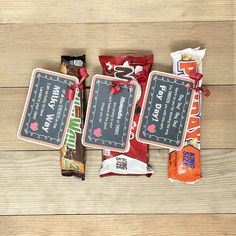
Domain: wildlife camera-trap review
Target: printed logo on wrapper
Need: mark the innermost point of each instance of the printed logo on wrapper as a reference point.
(184, 67)
(109, 115)
(74, 125)
(69, 164)
(127, 72)
(47, 111)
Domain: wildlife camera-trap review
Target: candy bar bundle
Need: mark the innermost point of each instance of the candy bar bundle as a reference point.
(129, 108)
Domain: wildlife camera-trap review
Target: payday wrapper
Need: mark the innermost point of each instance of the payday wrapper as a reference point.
(73, 152)
(184, 164)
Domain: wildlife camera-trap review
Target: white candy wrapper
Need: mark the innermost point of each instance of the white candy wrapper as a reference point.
(182, 60)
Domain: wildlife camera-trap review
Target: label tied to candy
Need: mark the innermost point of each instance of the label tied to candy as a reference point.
(109, 116)
(166, 110)
(47, 111)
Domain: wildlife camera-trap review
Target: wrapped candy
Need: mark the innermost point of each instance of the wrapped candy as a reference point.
(135, 161)
(184, 165)
(73, 152)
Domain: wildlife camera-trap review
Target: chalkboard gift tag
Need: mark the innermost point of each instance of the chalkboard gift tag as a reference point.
(47, 111)
(110, 113)
(166, 110)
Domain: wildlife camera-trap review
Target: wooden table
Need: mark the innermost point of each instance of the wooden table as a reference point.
(36, 200)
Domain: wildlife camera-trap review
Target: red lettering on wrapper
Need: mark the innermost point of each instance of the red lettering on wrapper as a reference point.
(184, 67)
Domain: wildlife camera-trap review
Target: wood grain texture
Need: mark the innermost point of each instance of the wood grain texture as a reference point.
(31, 184)
(218, 120)
(26, 46)
(117, 225)
(97, 11)
(35, 34)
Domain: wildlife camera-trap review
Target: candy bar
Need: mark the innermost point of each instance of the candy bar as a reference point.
(72, 153)
(135, 161)
(184, 164)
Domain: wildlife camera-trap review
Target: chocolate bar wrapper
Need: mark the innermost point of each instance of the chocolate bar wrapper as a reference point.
(73, 152)
(184, 165)
(136, 160)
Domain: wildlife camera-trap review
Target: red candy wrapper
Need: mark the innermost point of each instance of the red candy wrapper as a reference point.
(135, 161)
(184, 165)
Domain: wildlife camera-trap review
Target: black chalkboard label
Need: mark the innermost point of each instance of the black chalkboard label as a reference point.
(109, 116)
(166, 109)
(47, 111)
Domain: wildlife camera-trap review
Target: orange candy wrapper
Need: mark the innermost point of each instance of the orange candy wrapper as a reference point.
(184, 165)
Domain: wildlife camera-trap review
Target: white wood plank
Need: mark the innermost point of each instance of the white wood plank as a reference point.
(24, 47)
(103, 11)
(31, 184)
(116, 225)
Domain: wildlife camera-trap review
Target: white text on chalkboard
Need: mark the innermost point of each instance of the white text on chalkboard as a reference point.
(55, 96)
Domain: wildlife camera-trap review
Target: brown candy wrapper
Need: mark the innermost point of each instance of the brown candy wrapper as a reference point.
(73, 152)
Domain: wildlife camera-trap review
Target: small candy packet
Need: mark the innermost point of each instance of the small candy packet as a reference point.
(135, 160)
(184, 164)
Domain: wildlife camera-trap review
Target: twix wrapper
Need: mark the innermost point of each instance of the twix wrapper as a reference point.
(73, 152)
(184, 164)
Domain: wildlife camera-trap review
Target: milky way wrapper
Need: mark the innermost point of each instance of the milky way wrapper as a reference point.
(184, 164)
(73, 152)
